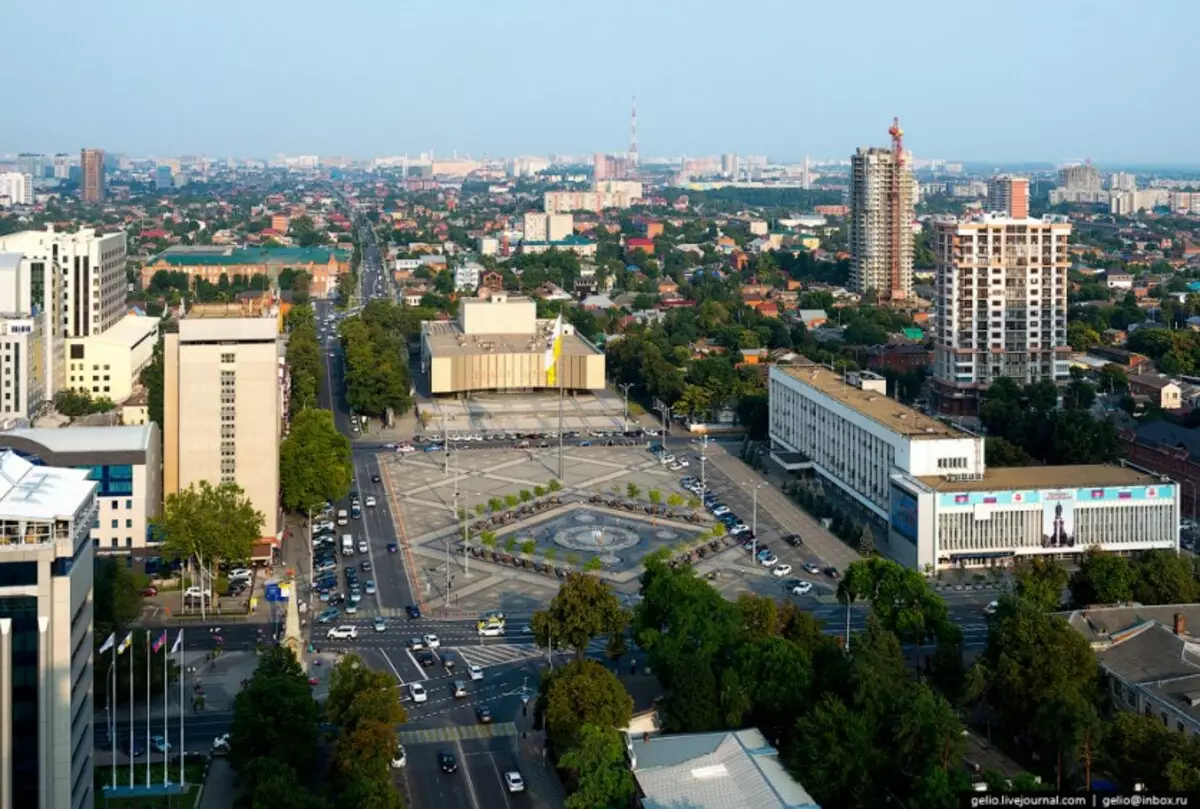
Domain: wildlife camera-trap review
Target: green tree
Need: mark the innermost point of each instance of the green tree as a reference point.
(1163, 577)
(151, 378)
(528, 547)
(273, 783)
(1041, 581)
(601, 777)
(674, 500)
(1102, 578)
(525, 496)
(840, 759)
(488, 539)
(511, 500)
(209, 523)
(584, 608)
(116, 596)
(540, 491)
(654, 496)
(583, 692)
(553, 485)
(314, 462)
(632, 490)
(274, 716)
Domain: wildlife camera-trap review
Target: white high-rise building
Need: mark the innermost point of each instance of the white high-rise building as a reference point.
(31, 362)
(16, 188)
(1001, 305)
(881, 234)
(89, 273)
(535, 227)
(1122, 181)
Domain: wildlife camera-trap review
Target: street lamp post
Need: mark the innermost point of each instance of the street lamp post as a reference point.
(703, 464)
(625, 386)
(754, 519)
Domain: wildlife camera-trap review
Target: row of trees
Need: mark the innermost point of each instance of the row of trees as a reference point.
(73, 403)
(375, 346)
(303, 357)
(1151, 577)
(1026, 423)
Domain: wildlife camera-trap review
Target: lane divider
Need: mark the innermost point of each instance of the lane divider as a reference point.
(401, 532)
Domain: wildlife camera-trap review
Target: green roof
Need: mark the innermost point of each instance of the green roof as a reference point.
(256, 255)
(913, 333)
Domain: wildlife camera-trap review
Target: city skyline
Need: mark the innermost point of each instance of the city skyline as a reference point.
(434, 82)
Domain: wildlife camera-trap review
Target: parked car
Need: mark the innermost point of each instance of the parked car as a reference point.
(149, 591)
(810, 568)
(416, 644)
(399, 759)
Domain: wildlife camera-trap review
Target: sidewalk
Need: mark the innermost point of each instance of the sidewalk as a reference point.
(789, 515)
(542, 786)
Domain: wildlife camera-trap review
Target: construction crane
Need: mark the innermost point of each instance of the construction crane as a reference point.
(897, 291)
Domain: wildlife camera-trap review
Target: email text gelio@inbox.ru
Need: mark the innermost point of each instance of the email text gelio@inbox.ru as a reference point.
(1137, 799)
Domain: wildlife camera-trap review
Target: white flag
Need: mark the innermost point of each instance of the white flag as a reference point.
(178, 643)
(108, 644)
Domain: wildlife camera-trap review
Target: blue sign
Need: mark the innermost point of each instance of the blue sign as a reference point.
(273, 592)
(904, 514)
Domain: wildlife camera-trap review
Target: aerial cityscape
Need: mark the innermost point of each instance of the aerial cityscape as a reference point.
(562, 440)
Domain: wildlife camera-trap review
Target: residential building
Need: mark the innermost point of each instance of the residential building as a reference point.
(46, 643)
(223, 405)
(727, 769)
(579, 245)
(1001, 297)
(1160, 389)
(499, 344)
(211, 262)
(83, 271)
(164, 178)
(30, 349)
(604, 194)
(107, 365)
(489, 246)
(16, 188)
(32, 163)
(1149, 659)
(91, 163)
(1079, 184)
(1170, 450)
(1009, 195)
(883, 195)
(124, 462)
(927, 485)
(901, 357)
(466, 276)
(547, 227)
(1123, 181)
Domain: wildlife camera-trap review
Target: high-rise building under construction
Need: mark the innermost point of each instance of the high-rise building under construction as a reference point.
(883, 196)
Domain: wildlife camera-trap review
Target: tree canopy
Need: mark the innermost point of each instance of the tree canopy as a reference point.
(315, 464)
(584, 608)
(209, 523)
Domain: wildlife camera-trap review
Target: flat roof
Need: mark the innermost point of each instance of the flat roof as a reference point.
(44, 493)
(1045, 477)
(128, 331)
(125, 438)
(191, 255)
(442, 337)
(208, 327)
(897, 417)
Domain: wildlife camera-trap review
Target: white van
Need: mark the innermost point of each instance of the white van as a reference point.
(347, 545)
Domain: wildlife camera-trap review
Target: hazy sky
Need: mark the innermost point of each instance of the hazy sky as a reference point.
(993, 80)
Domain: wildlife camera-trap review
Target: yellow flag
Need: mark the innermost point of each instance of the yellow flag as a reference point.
(553, 352)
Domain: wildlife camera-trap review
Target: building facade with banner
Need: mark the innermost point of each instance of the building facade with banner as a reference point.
(1025, 511)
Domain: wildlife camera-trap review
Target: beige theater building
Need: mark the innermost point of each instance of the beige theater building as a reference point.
(499, 344)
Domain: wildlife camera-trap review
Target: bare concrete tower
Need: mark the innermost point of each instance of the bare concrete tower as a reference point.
(633, 147)
(91, 164)
(883, 197)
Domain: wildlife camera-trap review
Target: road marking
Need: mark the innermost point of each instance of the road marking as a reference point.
(420, 668)
(454, 733)
(370, 555)
(392, 666)
(462, 757)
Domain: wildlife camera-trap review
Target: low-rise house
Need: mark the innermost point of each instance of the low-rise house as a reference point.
(900, 357)
(1160, 389)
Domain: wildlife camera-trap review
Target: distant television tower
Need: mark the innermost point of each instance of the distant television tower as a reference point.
(633, 152)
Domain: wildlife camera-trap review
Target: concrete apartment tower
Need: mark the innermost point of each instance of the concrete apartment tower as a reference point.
(91, 165)
(1009, 195)
(1001, 306)
(883, 196)
(222, 404)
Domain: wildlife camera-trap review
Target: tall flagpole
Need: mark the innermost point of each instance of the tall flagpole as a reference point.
(113, 715)
(132, 723)
(149, 653)
(181, 711)
(559, 373)
(166, 710)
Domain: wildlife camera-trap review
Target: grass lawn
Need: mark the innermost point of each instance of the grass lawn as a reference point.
(193, 772)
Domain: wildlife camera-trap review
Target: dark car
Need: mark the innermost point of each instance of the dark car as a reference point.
(447, 762)
(393, 547)
(374, 478)
(413, 611)
(833, 572)
(793, 540)
(365, 565)
(427, 659)
(484, 714)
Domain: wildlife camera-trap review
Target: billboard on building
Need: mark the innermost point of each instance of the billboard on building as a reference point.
(904, 514)
(1058, 519)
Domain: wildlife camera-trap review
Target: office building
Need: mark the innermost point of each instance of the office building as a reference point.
(32, 164)
(124, 462)
(16, 188)
(500, 344)
(107, 365)
(91, 163)
(210, 262)
(1002, 306)
(928, 484)
(30, 338)
(548, 227)
(222, 405)
(89, 275)
(164, 178)
(883, 196)
(46, 668)
(1009, 195)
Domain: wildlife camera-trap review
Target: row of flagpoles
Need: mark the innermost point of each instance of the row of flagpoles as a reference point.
(153, 647)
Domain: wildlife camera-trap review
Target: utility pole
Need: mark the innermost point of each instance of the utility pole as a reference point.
(559, 372)
(445, 447)
(754, 519)
(703, 463)
(625, 386)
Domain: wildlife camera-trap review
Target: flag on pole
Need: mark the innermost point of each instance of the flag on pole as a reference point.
(108, 644)
(125, 644)
(178, 643)
(553, 352)
(160, 641)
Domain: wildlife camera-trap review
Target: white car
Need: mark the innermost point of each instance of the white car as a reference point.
(399, 760)
(432, 641)
(362, 546)
(197, 592)
(769, 561)
(801, 588)
(781, 570)
(682, 462)
(370, 501)
(491, 631)
(417, 692)
(514, 781)
(720, 511)
(240, 573)
(991, 608)
(322, 525)
(475, 672)
(221, 744)
(352, 608)
(380, 624)
(404, 449)
(342, 632)
(343, 518)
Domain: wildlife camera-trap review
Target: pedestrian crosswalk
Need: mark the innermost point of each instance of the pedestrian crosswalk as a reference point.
(454, 733)
(496, 655)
